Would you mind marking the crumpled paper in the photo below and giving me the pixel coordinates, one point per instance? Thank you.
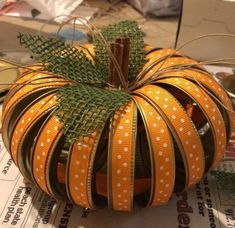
(55, 8)
(159, 8)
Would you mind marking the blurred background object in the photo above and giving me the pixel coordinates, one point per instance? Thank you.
(203, 17)
(4, 3)
(227, 80)
(19, 16)
(55, 8)
(58, 11)
(157, 8)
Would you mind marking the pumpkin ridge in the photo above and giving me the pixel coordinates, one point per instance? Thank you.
(98, 143)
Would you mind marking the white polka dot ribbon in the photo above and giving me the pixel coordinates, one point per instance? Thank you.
(181, 128)
(154, 54)
(168, 126)
(161, 153)
(19, 93)
(171, 57)
(166, 58)
(209, 109)
(28, 75)
(15, 97)
(30, 117)
(122, 140)
(208, 82)
(42, 156)
(80, 170)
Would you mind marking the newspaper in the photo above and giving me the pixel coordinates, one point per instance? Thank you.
(24, 205)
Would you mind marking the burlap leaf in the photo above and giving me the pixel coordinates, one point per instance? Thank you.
(62, 59)
(83, 108)
(124, 29)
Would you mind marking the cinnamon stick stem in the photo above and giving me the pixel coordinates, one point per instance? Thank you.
(120, 50)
